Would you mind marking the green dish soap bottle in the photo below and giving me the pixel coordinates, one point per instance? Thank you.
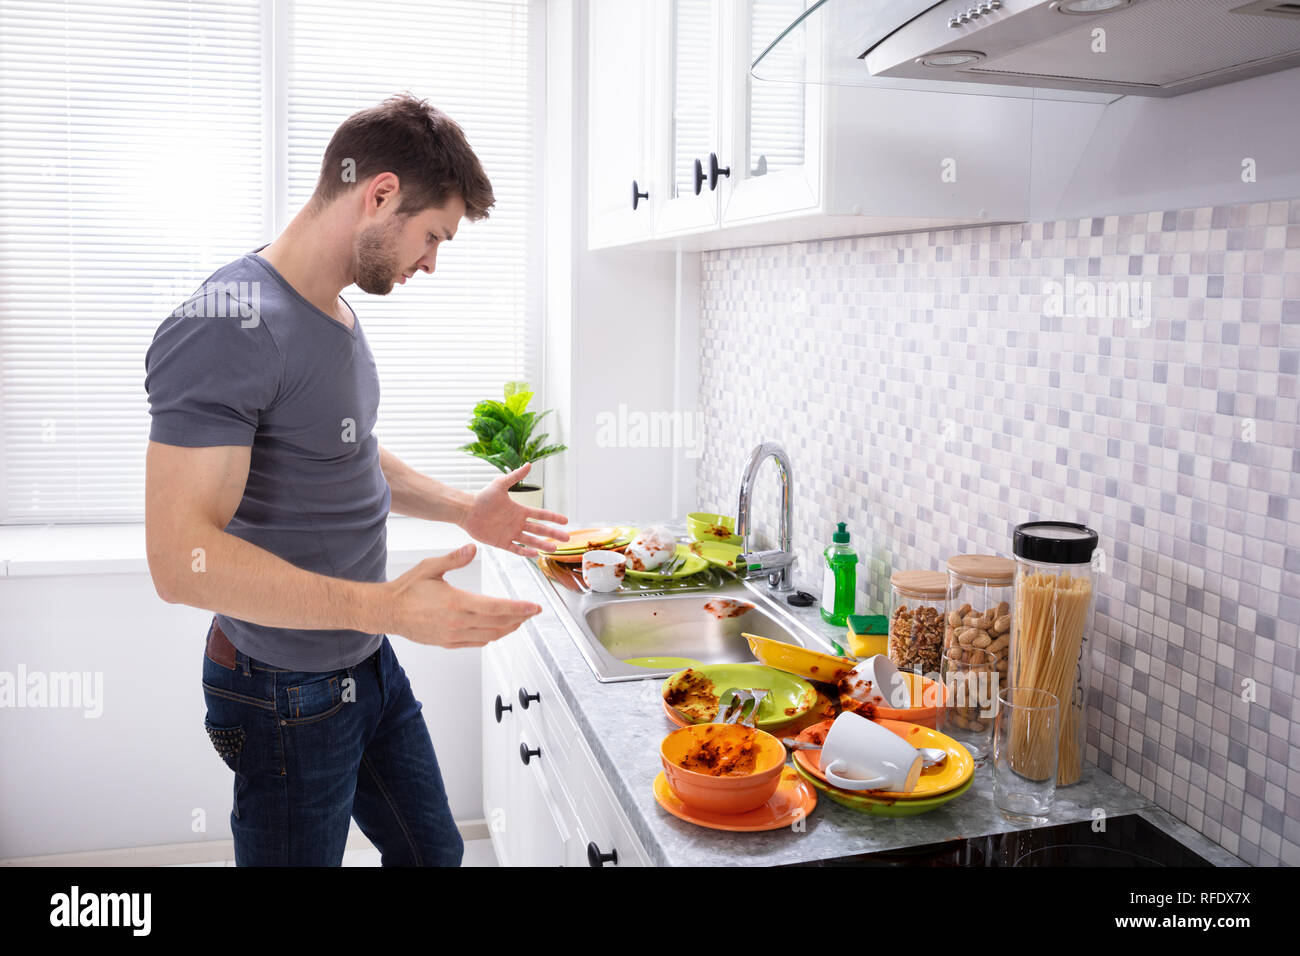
(839, 579)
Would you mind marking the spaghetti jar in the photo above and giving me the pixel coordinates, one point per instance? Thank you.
(917, 608)
(1051, 622)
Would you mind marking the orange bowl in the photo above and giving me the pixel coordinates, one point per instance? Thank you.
(928, 697)
(738, 793)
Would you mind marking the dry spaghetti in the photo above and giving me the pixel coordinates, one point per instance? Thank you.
(1050, 618)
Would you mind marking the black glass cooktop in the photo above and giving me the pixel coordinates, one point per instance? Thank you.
(1128, 840)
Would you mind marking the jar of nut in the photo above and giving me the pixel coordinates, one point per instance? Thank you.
(981, 617)
(918, 605)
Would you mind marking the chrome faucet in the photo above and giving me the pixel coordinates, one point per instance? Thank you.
(775, 564)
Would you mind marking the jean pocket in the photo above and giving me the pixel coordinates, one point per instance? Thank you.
(306, 698)
(228, 742)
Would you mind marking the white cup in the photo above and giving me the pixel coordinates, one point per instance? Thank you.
(603, 570)
(859, 754)
(651, 548)
(875, 681)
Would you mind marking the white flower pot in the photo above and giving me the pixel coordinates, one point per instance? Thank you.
(530, 497)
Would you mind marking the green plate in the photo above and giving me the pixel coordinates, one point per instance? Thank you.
(716, 553)
(694, 565)
(787, 691)
(883, 808)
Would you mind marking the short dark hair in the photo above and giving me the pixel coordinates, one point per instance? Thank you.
(424, 147)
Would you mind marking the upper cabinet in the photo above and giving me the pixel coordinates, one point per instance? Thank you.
(622, 187)
(690, 120)
(725, 159)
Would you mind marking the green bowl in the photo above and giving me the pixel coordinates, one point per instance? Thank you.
(703, 527)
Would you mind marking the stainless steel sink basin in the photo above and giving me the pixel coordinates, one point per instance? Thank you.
(704, 625)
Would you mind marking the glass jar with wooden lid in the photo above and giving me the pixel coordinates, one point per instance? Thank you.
(917, 609)
(981, 617)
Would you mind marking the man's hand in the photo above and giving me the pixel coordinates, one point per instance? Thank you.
(494, 518)
(428, 610)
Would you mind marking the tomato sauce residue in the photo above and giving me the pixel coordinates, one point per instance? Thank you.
(694, 695)
(719, 531)
(734, 757)
(722, 608)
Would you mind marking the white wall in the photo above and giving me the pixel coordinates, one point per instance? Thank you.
(611, 332)
(133, 776)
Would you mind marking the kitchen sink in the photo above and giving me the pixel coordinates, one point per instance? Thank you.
(704, 624)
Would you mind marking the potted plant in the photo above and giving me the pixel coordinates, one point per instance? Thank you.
(505, 438)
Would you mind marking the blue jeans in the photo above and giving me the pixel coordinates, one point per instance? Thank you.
(311, 751)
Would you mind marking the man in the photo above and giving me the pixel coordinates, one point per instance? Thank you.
(267, 496)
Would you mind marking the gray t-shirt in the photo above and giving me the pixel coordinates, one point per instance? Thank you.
(248, 361)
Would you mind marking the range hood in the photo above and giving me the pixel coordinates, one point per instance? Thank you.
(1113, 48)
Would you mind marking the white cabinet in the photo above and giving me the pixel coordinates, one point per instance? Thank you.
(620, 156)
(737, 161)
(776, 129)
(690, 125)
(545, 800)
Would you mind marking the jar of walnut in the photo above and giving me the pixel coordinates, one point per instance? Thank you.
(981, 617)
(918, 606)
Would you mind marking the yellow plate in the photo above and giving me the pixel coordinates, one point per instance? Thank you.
(584, 539)
(934, 781)
(793, 659)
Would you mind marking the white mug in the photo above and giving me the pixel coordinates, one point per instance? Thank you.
(875, 681)
(603, 570)
(859, 754)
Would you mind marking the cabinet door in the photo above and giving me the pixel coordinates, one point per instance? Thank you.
(690, 58)
(497, 738)
(620, 113)
(537, 830)
(777, 126)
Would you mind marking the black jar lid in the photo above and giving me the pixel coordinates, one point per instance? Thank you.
(1054, 542)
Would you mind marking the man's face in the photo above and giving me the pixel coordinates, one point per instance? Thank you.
(391, 251)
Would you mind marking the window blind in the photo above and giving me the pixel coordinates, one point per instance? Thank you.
(134, 162)
(447, 341)
(131, 167)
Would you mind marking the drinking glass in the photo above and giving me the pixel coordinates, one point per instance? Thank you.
(1026, 747)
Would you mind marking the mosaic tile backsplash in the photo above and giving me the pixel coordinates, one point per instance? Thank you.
(1136, 373)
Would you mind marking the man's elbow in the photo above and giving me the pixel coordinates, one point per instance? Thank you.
(169, 574)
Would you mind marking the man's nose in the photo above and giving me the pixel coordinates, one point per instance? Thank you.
(427, 264)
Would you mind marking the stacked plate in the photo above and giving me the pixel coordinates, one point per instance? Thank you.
(937, 786)
(582, 540)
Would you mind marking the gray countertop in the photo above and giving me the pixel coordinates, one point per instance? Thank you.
(624, 722)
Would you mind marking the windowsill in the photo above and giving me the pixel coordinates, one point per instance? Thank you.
(49, 550)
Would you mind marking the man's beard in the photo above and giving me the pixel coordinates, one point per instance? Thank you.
(377, 267)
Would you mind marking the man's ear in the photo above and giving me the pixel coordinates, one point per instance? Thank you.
(384, 191)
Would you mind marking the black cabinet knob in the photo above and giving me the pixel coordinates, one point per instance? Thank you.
(500, 706)
(525, 754)
(715, 171)
(699, 176)
(525, 697)
(596, 858)
(638, 195)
